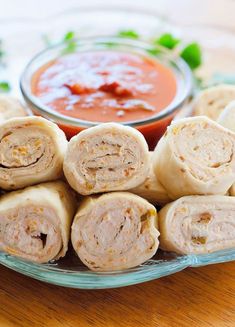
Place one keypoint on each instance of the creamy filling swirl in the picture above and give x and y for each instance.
(30, 232)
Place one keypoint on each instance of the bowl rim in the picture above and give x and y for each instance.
(145, 47)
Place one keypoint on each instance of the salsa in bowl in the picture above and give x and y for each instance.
(107, 79)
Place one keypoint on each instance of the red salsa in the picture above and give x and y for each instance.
(102, 86)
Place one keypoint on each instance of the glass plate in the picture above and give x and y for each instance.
(70, 272)
(23, 38)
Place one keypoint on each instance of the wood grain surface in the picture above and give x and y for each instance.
(196, 297)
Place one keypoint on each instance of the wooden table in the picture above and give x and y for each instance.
(196, 297)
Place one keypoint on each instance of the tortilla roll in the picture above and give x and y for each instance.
(195, 156)
(10, 107)
(31, 151)
(151, 189)
(212, 101)
(198, 224)
(108, 157)
(227, 117)
(115, 231)
(35, 222)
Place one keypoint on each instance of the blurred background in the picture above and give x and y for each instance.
(27, 27)
(218, 12)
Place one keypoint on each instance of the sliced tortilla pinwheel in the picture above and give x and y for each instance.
(198, 224)
(195, 156)
(108, 157)
(227, 117)
(31, 151)
(35, 222)
(115, 231)
(151, 189)
(212, 101)
(10, 107)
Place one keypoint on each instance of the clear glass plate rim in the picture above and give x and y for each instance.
(94, 280)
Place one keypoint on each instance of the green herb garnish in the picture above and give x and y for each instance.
(69, 40)
(167, 40)
(4, 87)
(70, 47)
(192, 55)
(154, 51)
(129, 34)
(70, 35)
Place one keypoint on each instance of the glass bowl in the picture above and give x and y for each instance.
(152, 127)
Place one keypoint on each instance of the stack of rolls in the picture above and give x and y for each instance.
(35, 221)
(115, 224)
(117, 230)
(195, 162)
(114, 231)
(195, 157)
